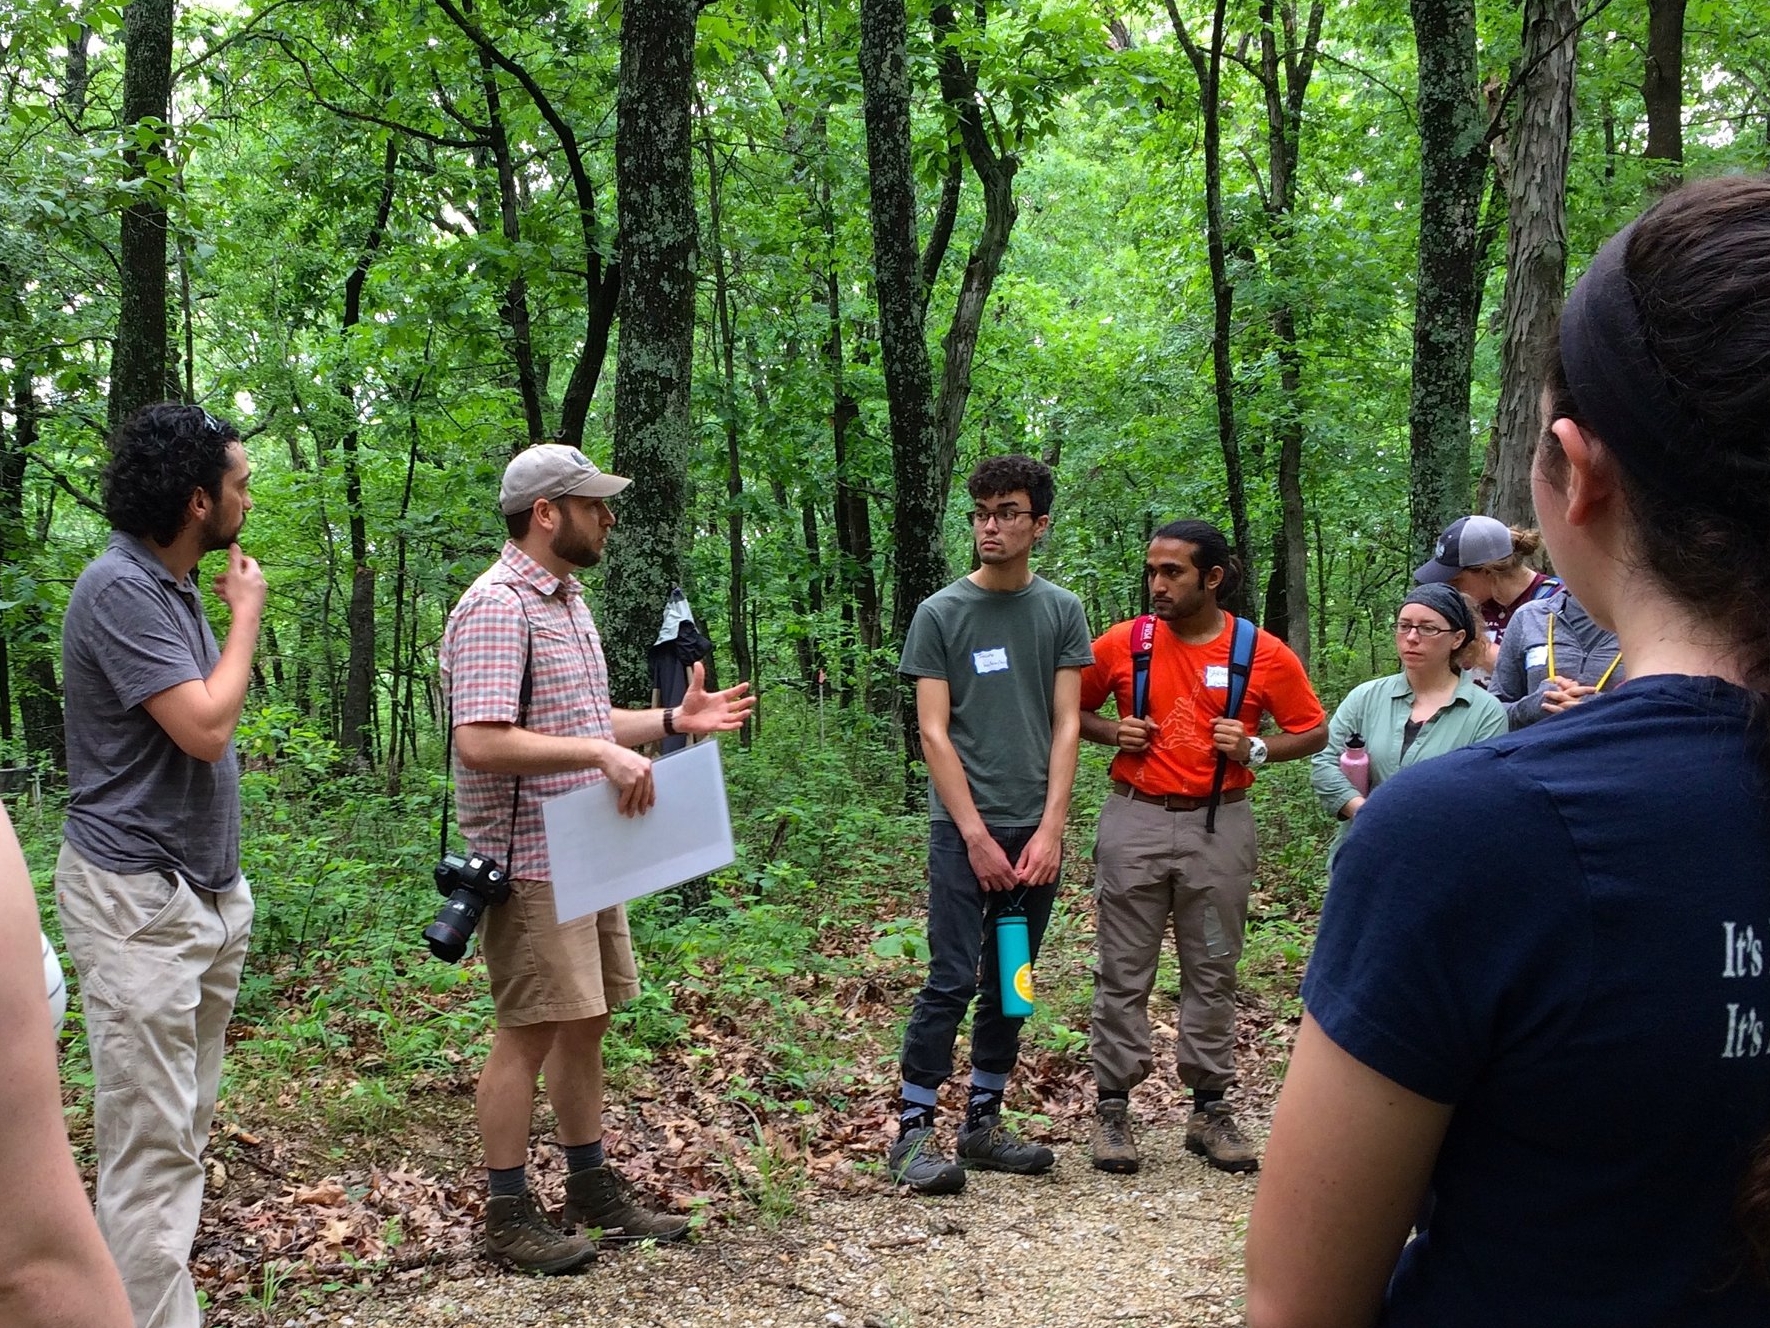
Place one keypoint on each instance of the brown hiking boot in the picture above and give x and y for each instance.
(1214, 1136)
(1113, 1146)
(598, 1198)
(519, 1234)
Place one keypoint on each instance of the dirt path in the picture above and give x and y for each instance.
(1073, 1248)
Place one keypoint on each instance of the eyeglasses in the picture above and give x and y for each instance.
(1002, 516)
(1425, 631)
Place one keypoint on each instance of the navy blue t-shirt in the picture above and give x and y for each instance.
(1590, 990)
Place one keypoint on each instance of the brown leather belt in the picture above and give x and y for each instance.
(1175, 802)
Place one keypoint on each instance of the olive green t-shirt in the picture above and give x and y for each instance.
(999, 652)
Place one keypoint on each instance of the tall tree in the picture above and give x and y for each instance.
(654, 193)
(1662, 84)
(1284, 73)
(1535, 148)
(139, 366)
(1447, 294)
(1207, 67)
(920, 493)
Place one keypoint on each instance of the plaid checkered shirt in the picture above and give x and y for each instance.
(518, 607)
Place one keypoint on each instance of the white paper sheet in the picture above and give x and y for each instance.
(601, 858)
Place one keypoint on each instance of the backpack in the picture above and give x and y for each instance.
(1241, 667)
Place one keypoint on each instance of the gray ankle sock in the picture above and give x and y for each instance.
(584, 1157)
(508, 1182)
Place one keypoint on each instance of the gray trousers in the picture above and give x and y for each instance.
(1153, 865)
(159, 967)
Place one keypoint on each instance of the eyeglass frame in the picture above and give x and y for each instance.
(1425, 631)
(1003, 517)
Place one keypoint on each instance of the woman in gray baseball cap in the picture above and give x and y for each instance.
(1489, 562)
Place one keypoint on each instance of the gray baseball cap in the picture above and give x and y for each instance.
(1469, 541)
(553, 470)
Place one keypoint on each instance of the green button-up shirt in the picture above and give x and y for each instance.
(1378, 712)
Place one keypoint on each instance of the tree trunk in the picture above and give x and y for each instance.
(139, 360)
(737, 608)
(1536, 148)
(1453, 166)
(1662, 85)
(1207, 66)
(513, 309)
(995, 168)
(919, 559)
(654, 181)
(39, 695)
(356, 716)
(1284, 76)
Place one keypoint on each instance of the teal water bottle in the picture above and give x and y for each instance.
(1014, 964)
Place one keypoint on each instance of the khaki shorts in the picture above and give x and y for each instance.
(546, 972)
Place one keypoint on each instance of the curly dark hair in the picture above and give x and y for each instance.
(997, 475)
(160, 456)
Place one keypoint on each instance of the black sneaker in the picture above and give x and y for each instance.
(992, 1146)
(915, 1161)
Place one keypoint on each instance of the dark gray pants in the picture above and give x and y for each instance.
(962, 960)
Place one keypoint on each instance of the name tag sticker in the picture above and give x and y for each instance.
(990, 661)
(1217, 675)
(1536, 657)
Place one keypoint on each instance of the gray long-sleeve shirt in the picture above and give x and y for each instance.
(1583, 652)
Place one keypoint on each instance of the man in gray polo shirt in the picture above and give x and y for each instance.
(153, 906)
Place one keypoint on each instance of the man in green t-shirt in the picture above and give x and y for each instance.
(997, 658)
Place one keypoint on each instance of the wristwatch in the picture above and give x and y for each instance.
(1256, 753)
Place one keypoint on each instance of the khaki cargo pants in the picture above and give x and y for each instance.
(159, 966)
(1153, 865)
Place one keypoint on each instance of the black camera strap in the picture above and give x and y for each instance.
(524, 695)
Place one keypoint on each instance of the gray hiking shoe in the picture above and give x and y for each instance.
(519, 1234)
(1214, 1136)
(1113, 1146)
(992, 1146)
(599, 1199)
(915, 1161)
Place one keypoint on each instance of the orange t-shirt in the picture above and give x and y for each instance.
(1188, 688)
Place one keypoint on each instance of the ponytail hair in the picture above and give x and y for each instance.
(1210, 548)
(1661, 354)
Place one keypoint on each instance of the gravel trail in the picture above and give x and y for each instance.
(1076, 1247)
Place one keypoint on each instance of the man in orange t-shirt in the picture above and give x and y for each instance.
(1155, 857)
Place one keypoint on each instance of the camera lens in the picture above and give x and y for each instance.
(447, 936)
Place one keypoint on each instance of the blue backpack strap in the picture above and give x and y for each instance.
(1241, 667)
(1142, 648)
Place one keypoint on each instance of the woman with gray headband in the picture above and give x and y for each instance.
(1562, 1032)
(1431, 707)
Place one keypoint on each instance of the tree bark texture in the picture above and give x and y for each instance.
(32, 653)
(921, 566)
(1207, 66)
(736, 586)
(654, 191)
(1285, 75)
(1453, 167)
(1537, 146)
(139, 360)
(1662, 82)
(513, 309)
(995, 167)
(356, 718)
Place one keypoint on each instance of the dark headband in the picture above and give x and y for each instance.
(1448, 603)
(1615, 380)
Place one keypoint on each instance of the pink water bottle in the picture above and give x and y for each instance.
(1355, 764)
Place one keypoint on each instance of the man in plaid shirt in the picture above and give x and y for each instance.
(553, 984)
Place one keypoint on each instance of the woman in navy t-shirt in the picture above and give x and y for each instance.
(1566, 1037)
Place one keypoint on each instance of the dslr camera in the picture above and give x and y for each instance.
(470, 883)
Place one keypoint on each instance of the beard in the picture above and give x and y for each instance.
(569, 544)
(218, 534)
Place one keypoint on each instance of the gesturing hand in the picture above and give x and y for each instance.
(702, 711)
(241, 587)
